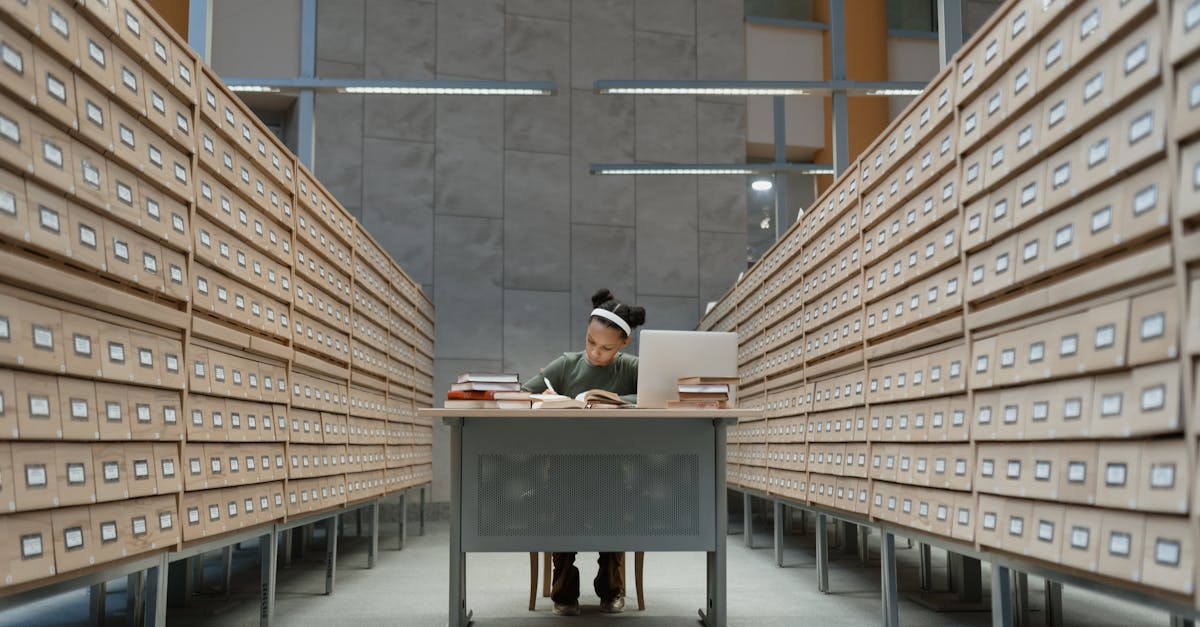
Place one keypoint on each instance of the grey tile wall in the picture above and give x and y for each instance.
(537, 328)
(537, 221)
(601, 41)
(470, 158)
(338, 160)
(553, 9)
(340, 30)
(410, 57)
(667, 236)
(488, 203)
(470, 38)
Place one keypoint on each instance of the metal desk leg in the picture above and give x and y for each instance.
(1054, 606)
(926, 553)
(156, 603)
(458, 616)
(822, 554)
(1002, 615)
(803, 522)
(134, 599)
(403, 518)
(97, 595)
(887, 565)
(779, 520)
(864, 548)
(227, 565)
(268, 549)
(747, 521)
(331, 552)
(373, 548)
(358, 522)
(1021, 599)
(421, 522)
(715, 613)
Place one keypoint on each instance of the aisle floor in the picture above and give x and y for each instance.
(409, 588)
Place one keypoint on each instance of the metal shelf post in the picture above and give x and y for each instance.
(887, 566)
(779, 514)
(822, 554)
(1002, 614)
(331, 536)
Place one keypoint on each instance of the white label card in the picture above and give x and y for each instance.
(1153, 398)
(35, 475)
(73, 538)
(1119, 543)
(31, 546)
(10, 130)
(1114, 474)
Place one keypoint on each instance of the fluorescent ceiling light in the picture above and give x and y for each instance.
(758, 88)
(761, 185)
(397, 87)
(895, 92)
(447, 91)
(706, 91)
(710, 168)
(681, 170)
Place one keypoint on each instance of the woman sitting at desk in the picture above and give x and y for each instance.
(600, 365)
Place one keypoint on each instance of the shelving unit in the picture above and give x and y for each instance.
(198, 345)
(981, 336)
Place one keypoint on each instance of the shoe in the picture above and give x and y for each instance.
(566, 609)
(615, 606)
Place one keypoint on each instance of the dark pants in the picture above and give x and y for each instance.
(609, 582)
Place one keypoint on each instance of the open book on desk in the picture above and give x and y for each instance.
(599, 399)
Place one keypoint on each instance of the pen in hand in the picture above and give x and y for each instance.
(549, 388)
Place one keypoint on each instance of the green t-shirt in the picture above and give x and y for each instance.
(571, 374)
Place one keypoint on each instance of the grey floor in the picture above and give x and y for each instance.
(409, 588)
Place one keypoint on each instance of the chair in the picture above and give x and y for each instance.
(546, 566)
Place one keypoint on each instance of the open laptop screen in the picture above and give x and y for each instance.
(665, 356)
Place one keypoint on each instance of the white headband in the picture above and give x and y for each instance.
(608, 315)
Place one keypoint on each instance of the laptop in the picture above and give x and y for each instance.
(665, 356)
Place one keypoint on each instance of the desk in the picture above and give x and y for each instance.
(587, 480)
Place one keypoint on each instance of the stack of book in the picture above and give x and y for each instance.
(703, 392)
(487, 390)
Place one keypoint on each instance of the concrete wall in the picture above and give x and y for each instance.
(488, 202)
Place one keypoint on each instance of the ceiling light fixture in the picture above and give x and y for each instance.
(757, 88)
(395, 87)
(895, 92)
(447, 91)
(762, 185)
(709, 168)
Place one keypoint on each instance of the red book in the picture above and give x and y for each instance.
(486, 395)
(467, 395)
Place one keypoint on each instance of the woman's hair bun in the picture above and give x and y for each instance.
(602, 296)
(637, 316)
